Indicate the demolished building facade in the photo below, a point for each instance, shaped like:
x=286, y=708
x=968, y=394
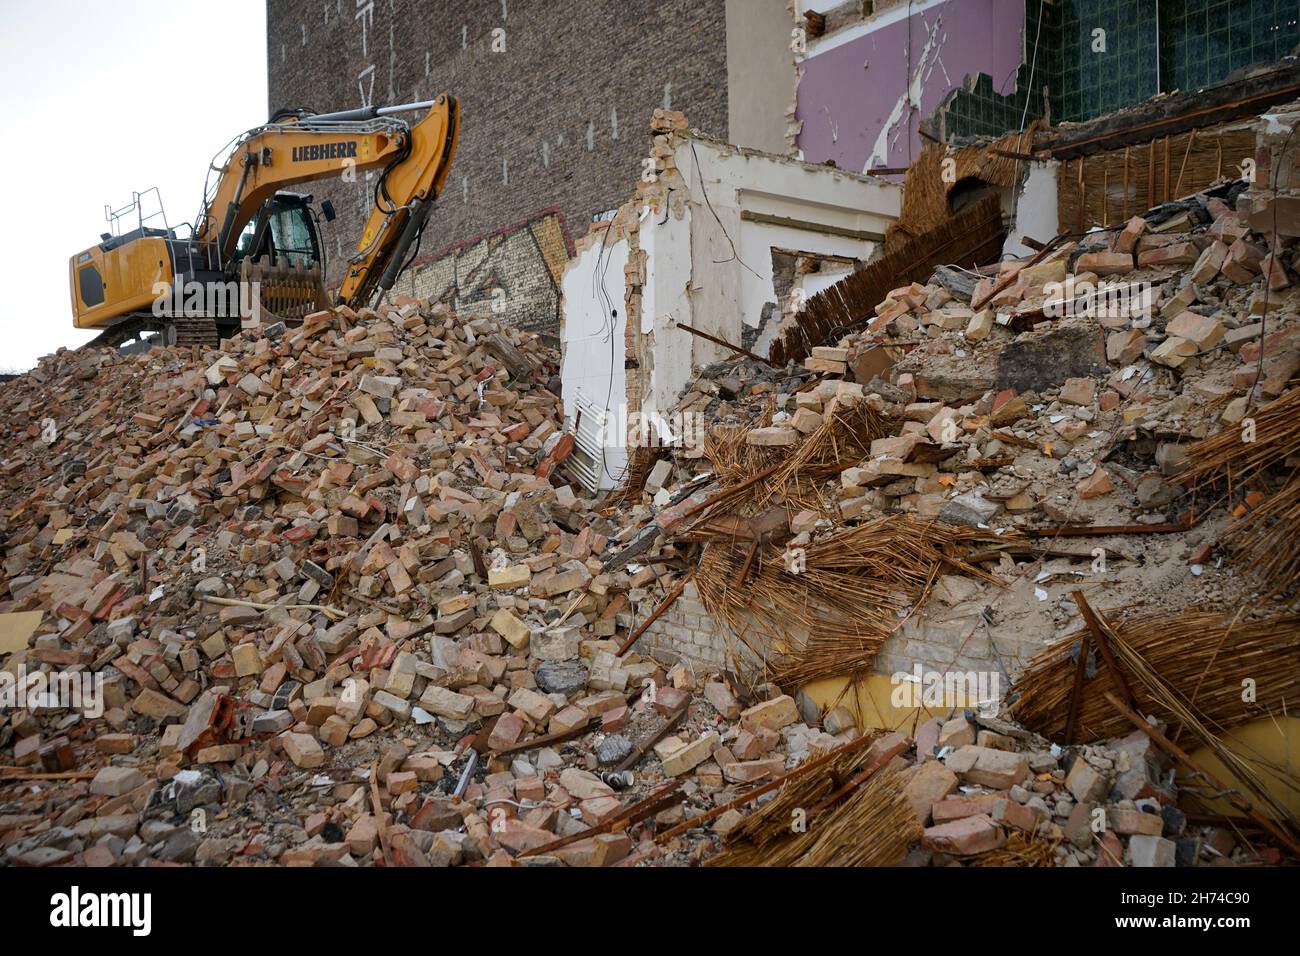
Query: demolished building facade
x=935, y=478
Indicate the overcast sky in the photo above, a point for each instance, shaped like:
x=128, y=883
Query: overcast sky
x=99, y=99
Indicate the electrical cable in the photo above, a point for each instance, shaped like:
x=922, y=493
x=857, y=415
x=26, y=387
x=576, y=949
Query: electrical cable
x=705, y=193
x=598, y=290
x=609, y=326
x=1033, y=64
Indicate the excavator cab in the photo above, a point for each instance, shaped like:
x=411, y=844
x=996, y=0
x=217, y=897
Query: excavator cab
x=283, y=233
x=276, y=273
x=279, y=255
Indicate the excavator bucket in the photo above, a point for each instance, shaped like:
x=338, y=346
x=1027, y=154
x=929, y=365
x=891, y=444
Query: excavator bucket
x=280, y=293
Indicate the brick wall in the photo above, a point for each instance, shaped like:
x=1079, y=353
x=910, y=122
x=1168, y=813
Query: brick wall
x=555, y=112
x=513, y=273
x=949, y=634
x=685, y=633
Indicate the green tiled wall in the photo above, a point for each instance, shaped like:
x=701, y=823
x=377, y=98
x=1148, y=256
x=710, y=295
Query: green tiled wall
x=1200, y=42
x=982, y=112
x=1090, y=83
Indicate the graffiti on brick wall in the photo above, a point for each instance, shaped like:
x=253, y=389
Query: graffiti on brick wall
x=552, y=118
x=512, y=273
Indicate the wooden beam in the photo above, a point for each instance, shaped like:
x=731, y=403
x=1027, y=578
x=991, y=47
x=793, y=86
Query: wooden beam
x=805, y=225
x=863, y=775
x=659, y=799
x=1177, y=123
x=673, y=595
x=381, y=825
x=1191, y=138
x=749, y=563
x=1011, y=154
x=1076, y=689
x=726, y=345
x=807, y=767
x=632, y=759
x=1089, y=531
x=1125, y=213
x=1171, y=748
x=1008, y=280
x=1102, y=636
x=558, y=736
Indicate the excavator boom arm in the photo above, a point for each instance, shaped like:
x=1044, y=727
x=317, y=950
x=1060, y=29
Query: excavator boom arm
x=415, y=160
x=403, y=202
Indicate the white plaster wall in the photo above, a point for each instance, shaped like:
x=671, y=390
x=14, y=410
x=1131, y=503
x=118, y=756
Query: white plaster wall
x=716, y=278
x=758, y=239
x=593, y=353
x=665, y=302
x=694, y=277
x=762, y=182
x=730, y=286
x=1036, y=209
x=815, y=282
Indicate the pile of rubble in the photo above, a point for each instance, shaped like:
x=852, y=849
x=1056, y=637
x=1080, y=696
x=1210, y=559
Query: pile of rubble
x=337, y=601
x=315, y=551
x=1058, y=395
x=323, y=596
x=1068, y=395
x=978, y=790
x=1065, y=388
x=1108, y=804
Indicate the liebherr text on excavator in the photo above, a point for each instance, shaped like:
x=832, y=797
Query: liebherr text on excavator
x=256, y=236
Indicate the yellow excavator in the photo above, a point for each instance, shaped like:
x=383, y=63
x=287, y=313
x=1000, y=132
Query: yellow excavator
x=255, y=254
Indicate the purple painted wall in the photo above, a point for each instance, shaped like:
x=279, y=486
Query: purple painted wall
x=850, y=94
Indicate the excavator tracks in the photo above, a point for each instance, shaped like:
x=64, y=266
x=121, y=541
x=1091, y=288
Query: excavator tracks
x=182, y=331
x=196, y=331
x=122, y=332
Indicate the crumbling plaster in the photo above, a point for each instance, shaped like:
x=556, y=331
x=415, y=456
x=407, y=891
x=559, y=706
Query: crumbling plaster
x=1035, y=213
x=863, y=90
x=701, y=259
